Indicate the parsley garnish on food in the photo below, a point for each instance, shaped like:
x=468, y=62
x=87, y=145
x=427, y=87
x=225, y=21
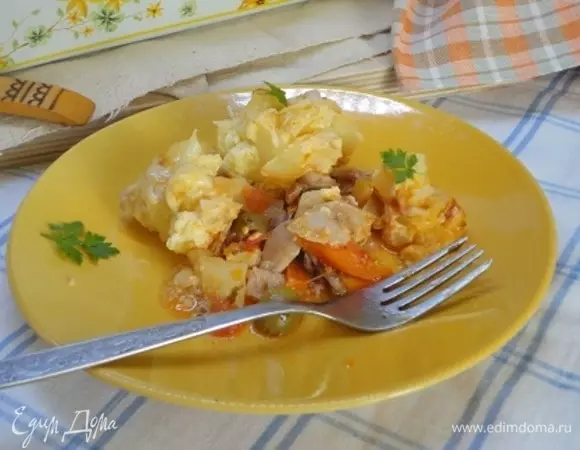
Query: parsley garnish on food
x=401, y=164
x=275, y=91
x=73, y=242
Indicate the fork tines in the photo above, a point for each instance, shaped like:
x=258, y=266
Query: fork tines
x=449, y=262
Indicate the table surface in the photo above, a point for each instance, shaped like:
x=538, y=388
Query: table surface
x=525, y=396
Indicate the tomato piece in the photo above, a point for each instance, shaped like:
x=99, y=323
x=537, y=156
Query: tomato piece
x=220, y=305
x=350, y=259
x=256, y=200
x=171, y=300
x=299, y=281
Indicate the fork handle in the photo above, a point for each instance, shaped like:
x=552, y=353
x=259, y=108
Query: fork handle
x=94, y=352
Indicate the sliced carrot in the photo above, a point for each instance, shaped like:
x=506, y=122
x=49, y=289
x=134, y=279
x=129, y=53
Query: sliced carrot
x=353, y=284
x=300, y=282
x=350, y=259
x=297, y=279
x=256, y=200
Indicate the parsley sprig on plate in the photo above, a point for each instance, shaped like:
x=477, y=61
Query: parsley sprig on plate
x=401, y=163
x=73, y=242
x=275, y=91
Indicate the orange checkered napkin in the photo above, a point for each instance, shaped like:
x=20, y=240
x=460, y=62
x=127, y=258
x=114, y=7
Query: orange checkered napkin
x=457, y=43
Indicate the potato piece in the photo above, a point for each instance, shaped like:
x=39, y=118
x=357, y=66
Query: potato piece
x=183, y=152
x=196, y=255
x=312, y=153
x=223, y=279
x=384, y=183
x=307, y=117
x=376, y=207
x=381, y=255
x=197, y=229
x=230, y=187
x=348, y=131
x=242, y=160
x=264, y=134
x=397, y=234
x=251, y=258
x=362, y=190
x=227, y=135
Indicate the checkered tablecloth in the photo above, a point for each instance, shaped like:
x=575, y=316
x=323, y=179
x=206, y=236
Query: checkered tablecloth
x=528, y=393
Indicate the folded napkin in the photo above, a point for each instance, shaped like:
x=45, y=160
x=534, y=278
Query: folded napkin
x=453, y=43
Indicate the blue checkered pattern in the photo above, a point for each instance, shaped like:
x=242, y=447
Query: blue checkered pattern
x=534, y=379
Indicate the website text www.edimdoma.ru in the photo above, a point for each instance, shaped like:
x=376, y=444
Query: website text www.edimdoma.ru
x=503, y=427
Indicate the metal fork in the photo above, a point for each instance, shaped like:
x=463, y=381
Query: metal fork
x=387, y=304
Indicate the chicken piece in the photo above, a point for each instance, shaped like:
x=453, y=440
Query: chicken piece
x=276, y=214
x=350, y=200
x=310, y=199
x=144, y=201
x=347, y=177
x=349, y=174
x=280, y=249
x=310, y=181
x=261, y=282
x=329, y=274
x=335, y=223
x=308, y=263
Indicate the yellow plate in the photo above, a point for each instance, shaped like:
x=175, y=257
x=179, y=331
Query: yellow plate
x=324, y=366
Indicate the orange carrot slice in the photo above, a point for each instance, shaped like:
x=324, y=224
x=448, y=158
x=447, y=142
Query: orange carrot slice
x=256, y=200
x=350, y=259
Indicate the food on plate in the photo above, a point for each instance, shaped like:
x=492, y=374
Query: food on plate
x=273, y=211
x=73, y=242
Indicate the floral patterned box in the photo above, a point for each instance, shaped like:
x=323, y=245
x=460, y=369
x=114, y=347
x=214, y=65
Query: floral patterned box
x=34, y=32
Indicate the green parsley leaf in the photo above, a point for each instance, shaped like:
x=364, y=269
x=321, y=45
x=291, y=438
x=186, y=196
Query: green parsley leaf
x=97, y=248
x=401, y=164
x=277, y=92
x=67, y=229
x=71, y=241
